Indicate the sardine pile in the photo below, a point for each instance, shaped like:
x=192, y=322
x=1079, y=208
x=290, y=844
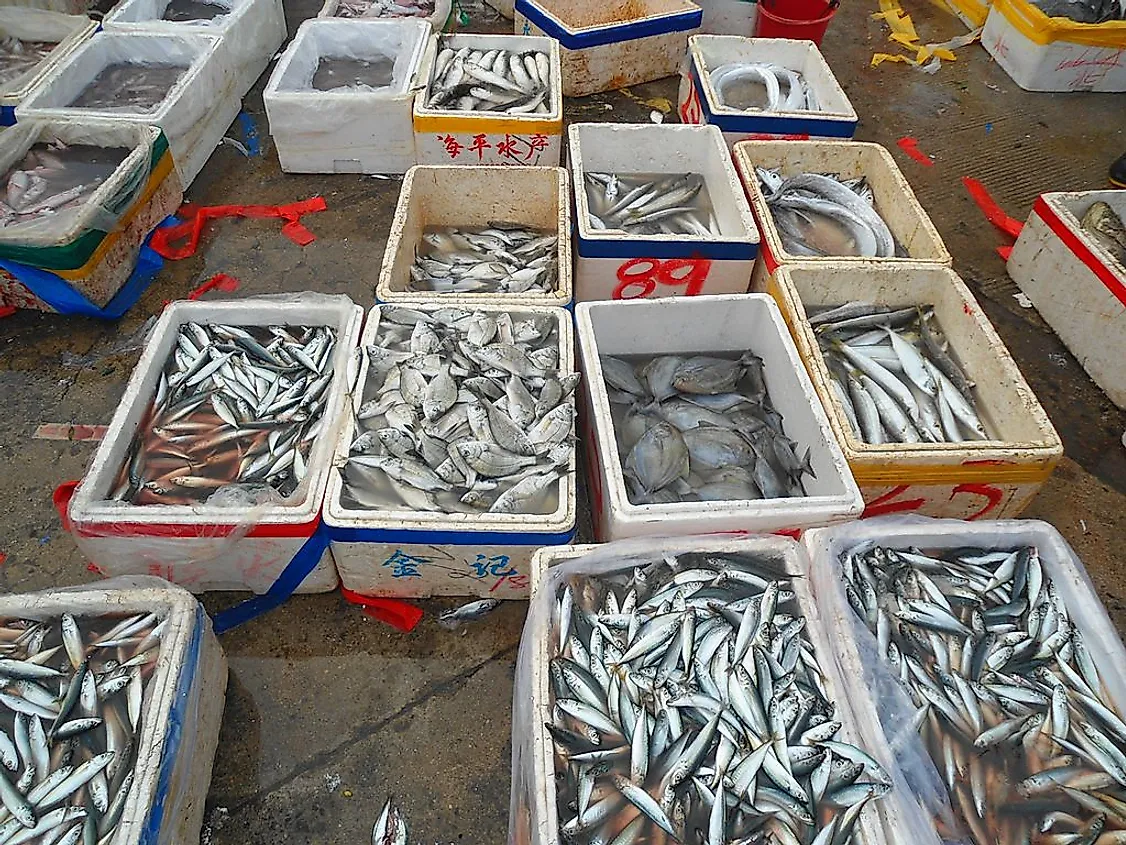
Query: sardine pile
x=234, y=406
x=1105, y=226
x=391, y=827
x=195, y=10
x=490, y=80
x=821, y=215
x=502, y=258
x=70, y=722
x=464, y=412
x=650, y=203
x=893, y=375
x=384, y=9
x=743, y=85
x=54, y=179
x=688, y=705
x=129, y=87
x=18, y=57
x=1010, y=702
x=333, y=73
x=700, y=428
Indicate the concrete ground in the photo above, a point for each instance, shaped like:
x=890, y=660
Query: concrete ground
x=328, y=711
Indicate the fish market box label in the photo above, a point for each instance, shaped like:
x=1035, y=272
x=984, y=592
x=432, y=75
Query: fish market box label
x=816, y=107
x=490, y=100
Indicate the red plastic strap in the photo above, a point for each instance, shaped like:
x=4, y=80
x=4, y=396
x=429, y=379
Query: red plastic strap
x=910, y=146
x=194, y=218
x=400, y=615
x=1004, y=252
x=220, y=280
x=61, y=497
x=993, y=212
x=7, y=311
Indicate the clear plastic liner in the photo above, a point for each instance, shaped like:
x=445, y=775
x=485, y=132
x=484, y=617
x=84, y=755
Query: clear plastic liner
x=361, y=43
x=34, y=27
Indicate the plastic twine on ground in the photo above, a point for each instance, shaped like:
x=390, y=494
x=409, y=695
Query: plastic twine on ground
x=167, y=242
x=993, y=213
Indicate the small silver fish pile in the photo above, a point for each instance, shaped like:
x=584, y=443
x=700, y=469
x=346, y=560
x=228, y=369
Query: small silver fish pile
x=740, y=85
x=384, y=9
x=465, y=412
x=391, y=828
x=54, y=179
x=70, y=723
x=1010, y=702
x=818, y=215
x=688, y=705
x=195, y=10
x=129, y=87
x=234, y=406
x=893, y=375
x=651, y=203
x=1105, y=226
x=700, y=428
x=490, y=80
x=18, y=57
x=502, y=258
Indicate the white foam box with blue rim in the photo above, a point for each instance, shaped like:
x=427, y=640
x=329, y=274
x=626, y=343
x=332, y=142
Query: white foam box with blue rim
x=182, y=706
x=698, y=101
x=608, y=45
x=208, y=547
x=415, y=554
x=65, y=31
x=717, y=325
x=346, y=130
x=252, y=31
x=612, y=264
x=194, y=114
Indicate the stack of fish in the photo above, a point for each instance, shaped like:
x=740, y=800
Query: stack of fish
x=234, y=406
x=502, y=258
x=464, y=412
x=129, y=87
x=743, y=85
x=820, y=214
x=195, y=10
x=384, y=9
x=893, y=375
x=18, y=57
x=700, y=428
x=1010, y=701
x=54, y=180
x=1105, y=226
x=490, y=80
x=650, y=204
x=70, y=710
x=688, y=705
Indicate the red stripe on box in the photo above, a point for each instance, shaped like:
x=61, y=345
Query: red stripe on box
x=1080, y=250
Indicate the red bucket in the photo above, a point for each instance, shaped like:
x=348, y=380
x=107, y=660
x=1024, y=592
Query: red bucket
x=806, y=19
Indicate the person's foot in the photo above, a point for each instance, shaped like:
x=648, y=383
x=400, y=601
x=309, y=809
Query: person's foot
x=1118, y=172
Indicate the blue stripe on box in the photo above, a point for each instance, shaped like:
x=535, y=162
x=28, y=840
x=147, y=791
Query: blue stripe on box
x=638, y=247
x=598, y=36
x=449, y=538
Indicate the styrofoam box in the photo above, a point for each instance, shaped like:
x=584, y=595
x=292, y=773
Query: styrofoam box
x=992, y=479
x=541, y=824
x=495, y=138
x=181, y=710
x=1055, y=54
x=607, y=46
x=1076, y=284
x=539, y=197
x=194, y=114
x=699, y=103
x=455, y=554
x=252, y=32
x=210, y=547
x=616, y=265
x=706, y=325
x=903, y=818
x=346, y=130
x=437, y=21
x=895, y=202
x=728, y=17
x=65, y=30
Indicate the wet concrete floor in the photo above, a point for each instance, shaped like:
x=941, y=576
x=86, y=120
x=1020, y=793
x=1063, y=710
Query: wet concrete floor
x=328, y=711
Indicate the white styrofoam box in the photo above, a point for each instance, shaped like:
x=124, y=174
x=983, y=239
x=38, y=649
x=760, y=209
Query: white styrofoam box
x=706, y=325
x=895, y=202
x=346, y=130
x=252, y=31
x=437, y=20
x=903, y=818
x=65, y=31
x=607, y=46
x=728, y=17
x=66, y=7
x=189, y=114
x=699, y=103
x=535, y=818
x=212, y=547
x=402, y=553
x=495, y=138
x=534, y=196
x=978, y=479
x=1055, y=54
x=1078, y=287
x=616, y=265
x=181, y=710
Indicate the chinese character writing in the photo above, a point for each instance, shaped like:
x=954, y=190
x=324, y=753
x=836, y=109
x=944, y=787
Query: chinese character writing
x=479, y=146
x=522, y=150
x=496, y=566
x=404, y=565
x=453, y=147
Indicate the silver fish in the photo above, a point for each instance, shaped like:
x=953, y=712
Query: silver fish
x=514, y=259
x=470, y=612
x=494, y=80
x=736, y=85
x=651, y=203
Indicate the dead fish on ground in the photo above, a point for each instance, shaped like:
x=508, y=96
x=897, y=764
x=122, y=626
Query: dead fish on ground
x=490, y=80
x=650, y=203
x=391, y=827
x=470, y=612
x=500, y=258
x=738, y=84
x=1105, y=226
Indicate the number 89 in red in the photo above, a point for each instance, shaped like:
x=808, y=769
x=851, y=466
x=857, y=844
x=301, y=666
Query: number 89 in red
x=639, y=277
